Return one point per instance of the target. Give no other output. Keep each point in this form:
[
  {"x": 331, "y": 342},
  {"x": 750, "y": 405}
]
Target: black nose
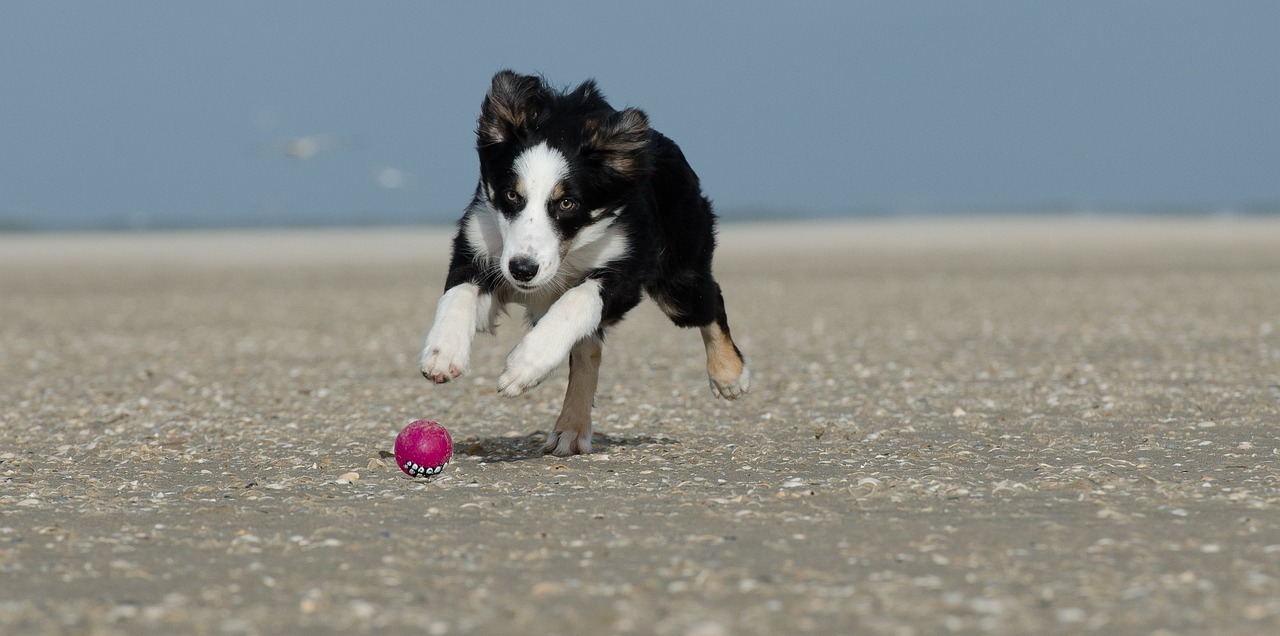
[{"x": 523, "y": 268}]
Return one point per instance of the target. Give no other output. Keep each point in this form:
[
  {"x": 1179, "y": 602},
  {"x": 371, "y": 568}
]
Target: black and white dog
[{"x": 580, "y": 208}]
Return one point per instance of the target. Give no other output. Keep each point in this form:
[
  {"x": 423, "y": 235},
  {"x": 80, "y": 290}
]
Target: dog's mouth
[{"x": 524, "y": 287}]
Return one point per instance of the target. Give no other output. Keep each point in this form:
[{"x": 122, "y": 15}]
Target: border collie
[{"x": 580, "y": 209}]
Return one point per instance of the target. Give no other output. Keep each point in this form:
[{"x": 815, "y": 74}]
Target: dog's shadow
[{"x": 526, "y": 447}]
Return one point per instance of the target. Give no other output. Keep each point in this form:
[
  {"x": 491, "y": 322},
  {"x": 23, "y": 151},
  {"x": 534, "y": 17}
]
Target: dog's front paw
[
  {"x": 524, "y": 371},
  {"x": 568, "y": 443},
  {"x": 442, "y": 362},
  {"x": 732, "y": 388}
]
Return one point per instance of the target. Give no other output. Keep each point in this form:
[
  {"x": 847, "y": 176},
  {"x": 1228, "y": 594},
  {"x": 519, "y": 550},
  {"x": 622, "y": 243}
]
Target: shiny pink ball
[{"x": 423, "y": 448}]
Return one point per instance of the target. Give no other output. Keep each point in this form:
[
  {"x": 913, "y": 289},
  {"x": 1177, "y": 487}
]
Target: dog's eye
[
  {"x": 512, "y": 196},
  {"x": 567, "y": 205}
]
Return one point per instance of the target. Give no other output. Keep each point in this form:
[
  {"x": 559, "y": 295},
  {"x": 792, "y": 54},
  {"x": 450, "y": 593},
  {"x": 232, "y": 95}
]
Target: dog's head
[{"x": 555, "y": 168}]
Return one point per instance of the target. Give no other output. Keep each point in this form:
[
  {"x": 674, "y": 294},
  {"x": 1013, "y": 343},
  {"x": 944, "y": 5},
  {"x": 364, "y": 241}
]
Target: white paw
[
  {"x": 525, "y": 369},
  {"x": 444, "y": 361},
  {"x": 567, "y": 443},
  {"x": 448, "y": 349},
  {"x": 733, "y": 389}
]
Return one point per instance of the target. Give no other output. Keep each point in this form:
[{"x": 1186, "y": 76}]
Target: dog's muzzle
[{"x": 522, "y": 268}]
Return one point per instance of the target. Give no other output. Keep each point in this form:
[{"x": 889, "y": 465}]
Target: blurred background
[{"x": 145, "y": 115}]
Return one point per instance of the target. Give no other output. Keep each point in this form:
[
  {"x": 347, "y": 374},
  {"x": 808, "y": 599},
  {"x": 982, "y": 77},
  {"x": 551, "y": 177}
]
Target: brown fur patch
[
  {"x": 572, "y": 433},
  {"x": 724, "y": 364}
]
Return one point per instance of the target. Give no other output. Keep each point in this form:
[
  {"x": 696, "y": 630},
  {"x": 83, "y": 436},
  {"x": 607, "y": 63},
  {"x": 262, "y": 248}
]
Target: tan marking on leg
[
  {"x": 572, "y": 433},
  {"x": 727, "y": 370}
]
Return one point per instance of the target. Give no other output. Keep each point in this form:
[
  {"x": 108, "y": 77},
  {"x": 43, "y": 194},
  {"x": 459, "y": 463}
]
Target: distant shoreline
[
  {"x": 20, "y": 224},
  {"x": 752, "y": 239}
]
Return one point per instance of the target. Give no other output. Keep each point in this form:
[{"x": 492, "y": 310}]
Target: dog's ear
[
  {"x": 622, "y": 139},
  {"x": 587, "y": 93},
  {"x": 512, "y": 103}
]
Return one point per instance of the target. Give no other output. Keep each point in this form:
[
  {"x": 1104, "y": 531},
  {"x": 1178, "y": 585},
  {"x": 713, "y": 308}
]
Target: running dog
[{"x": 580, "y": 209}]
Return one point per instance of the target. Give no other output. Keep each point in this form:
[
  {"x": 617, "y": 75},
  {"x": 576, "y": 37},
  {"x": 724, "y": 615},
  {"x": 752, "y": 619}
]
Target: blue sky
[{"x": 154, "y": 112}]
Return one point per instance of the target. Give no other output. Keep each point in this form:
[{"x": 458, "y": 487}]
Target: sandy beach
[{"x": 1000, "y": 425}]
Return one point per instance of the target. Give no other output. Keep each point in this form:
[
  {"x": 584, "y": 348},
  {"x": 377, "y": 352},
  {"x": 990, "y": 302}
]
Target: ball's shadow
[{"x": 526, "y": 447}]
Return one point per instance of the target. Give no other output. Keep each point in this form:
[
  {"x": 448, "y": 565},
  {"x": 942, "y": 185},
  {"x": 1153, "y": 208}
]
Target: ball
[{"x": 423, "y": 448}]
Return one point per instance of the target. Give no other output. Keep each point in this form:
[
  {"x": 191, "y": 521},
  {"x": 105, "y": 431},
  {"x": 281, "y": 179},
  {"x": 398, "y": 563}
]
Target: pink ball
[{"x": 423, "y": 448}]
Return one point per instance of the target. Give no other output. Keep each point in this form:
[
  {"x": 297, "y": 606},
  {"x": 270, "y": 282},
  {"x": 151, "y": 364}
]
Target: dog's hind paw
[
  {"x": 732, "y": 389},
  {"x": 567, "y": 443}
]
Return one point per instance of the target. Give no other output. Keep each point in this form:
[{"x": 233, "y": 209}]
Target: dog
[{"x": 579, "y": 211}]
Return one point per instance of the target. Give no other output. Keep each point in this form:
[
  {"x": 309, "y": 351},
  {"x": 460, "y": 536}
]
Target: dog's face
[{"x": 555, "y": 169}]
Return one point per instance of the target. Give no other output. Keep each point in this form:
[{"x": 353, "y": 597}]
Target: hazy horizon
[{"x": 153, "y": 114}]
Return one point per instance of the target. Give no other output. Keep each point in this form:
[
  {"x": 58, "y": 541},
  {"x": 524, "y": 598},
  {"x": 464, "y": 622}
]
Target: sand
[{"x": 994, "y": 425}]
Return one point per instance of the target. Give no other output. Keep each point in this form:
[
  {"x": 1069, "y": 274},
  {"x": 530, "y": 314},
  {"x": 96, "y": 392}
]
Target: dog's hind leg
[
  {"x": 694, "y": 300},
  {"x": 727, "y": 369},
  {"x": 572, "y": 433}
]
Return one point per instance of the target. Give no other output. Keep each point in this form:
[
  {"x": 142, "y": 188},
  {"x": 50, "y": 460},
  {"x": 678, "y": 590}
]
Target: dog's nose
[{"x": 523, "y": 268}]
